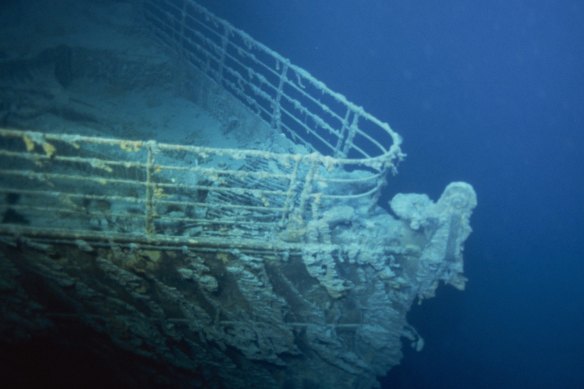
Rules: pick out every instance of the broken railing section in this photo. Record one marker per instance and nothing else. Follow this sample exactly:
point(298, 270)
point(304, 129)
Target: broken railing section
point(78, 187)
point(284, 95)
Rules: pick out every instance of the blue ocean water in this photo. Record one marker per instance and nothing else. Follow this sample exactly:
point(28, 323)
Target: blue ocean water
point(487, 92)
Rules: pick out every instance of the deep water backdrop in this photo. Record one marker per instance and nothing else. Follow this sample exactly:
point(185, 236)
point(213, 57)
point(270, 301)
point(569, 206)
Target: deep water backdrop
point(489, 92)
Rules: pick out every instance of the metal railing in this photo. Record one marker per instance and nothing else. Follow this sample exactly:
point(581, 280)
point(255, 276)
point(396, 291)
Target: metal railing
point(84, 188)
point(284, 95)
point(61, 187)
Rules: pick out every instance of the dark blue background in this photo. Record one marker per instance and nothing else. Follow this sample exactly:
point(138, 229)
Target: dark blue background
point(490, 92)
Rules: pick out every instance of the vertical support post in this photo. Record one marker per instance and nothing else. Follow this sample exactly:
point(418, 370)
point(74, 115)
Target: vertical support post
point(149, 195)
point(342, 137)
point(351, 135)
point(291, 194)
point(307, 187)
point(224, 43)
point(277, 110)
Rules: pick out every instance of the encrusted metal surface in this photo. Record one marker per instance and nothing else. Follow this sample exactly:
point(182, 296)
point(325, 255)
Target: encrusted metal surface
point(203, 258)
point(281, 93)
point(156, 193)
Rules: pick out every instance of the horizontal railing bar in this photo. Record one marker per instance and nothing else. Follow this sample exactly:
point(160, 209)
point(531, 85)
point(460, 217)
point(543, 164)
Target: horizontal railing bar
point(234, 173)
point(373, 176)
point(94, 162)
point(98, 164)
point(91, 236)
point(129, 145)
point(52, 211)
point(206, 222)
point(131, 199)
point(345, 197)
point(47, 177)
